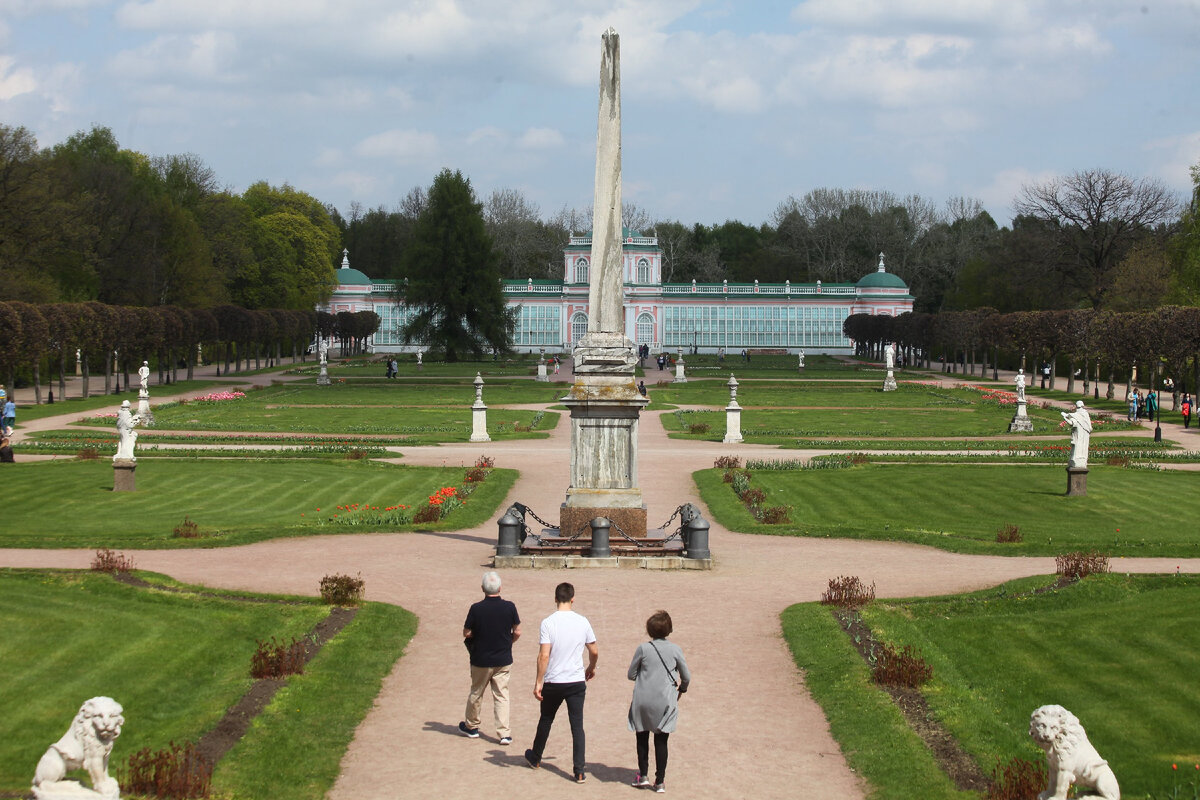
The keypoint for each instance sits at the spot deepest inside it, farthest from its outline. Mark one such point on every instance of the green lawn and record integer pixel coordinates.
(71, 503)
(1121, 652)
(1131, 512)
(176, 661)
(106, 402)
(441, 392)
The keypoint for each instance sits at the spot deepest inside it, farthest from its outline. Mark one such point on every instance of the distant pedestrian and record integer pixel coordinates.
(660, 677)
(491, 628)
(1133, 407)
(8, 417)
(6, 453)
(561, 676)
(1152, 406)
(557, 364)
(662, 360)
(1186, 409)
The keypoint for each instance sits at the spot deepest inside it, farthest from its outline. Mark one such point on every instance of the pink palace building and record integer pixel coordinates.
(703, 317)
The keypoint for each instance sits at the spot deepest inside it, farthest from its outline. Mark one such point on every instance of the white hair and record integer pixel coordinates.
(491, 582)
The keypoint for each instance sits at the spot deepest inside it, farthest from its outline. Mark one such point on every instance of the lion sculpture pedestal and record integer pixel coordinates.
(1070, 757)
(87, 744)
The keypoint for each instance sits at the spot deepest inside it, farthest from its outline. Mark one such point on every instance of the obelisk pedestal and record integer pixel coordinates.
(479, 414)
(733, 415)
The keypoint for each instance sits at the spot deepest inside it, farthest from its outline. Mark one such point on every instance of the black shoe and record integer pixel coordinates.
(472, 733)
(534, 761)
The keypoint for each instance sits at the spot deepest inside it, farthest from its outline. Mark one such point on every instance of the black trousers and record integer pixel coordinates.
(660, 754)
(553, 696)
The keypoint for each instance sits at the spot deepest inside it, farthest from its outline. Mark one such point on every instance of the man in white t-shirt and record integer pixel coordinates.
(561, 676)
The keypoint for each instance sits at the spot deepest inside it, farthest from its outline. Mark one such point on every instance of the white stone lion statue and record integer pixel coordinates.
(87, 744)
(1070, 757)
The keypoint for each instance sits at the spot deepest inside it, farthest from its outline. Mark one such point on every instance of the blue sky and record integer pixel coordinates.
(729, 107)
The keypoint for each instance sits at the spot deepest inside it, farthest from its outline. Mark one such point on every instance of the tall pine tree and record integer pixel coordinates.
(453, 275)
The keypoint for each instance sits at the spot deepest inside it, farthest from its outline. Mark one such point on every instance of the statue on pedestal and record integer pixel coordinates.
(144, 375)
(1081, 434)
(126, 422)
(86, 745)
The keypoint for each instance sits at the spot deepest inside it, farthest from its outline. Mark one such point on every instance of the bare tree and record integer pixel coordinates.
(1096, 216)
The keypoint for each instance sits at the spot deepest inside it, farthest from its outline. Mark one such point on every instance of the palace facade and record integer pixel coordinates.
(704, 317)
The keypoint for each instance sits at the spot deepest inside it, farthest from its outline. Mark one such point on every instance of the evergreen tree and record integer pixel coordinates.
(454, 275)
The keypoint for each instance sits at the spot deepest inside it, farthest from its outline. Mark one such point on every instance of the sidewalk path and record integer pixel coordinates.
(747, 728)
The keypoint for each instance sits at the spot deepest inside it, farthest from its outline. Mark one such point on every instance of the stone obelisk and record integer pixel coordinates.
(604, 400)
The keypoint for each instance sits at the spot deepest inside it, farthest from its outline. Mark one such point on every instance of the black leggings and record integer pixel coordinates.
(660, 754)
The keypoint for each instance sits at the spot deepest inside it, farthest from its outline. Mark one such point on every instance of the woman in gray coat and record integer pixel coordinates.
(660, 676)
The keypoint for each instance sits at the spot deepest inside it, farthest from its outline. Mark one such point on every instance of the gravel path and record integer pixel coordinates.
(747, 728)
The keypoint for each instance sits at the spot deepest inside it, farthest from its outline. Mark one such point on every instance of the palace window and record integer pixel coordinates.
(644, 273)
(581, 270)
(644, 329)
(578, 325)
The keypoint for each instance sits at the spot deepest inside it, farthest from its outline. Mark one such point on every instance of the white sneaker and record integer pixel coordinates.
(640, 780)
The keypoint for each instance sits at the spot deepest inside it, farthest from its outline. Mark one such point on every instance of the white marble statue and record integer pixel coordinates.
(1081, 435)
(802, 358)
(1070, 757)
(889, 356)
(1020, 381)
(323, 350)
(87, 744)
(126, 422)
(419, 357)
(144, 375)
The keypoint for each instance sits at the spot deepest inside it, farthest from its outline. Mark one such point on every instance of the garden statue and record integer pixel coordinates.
(1081, 434)
(126, 421)
(802, 358)
(889, 356)
(87, 745)
(323, 350)
(1020, 381)
(144, 375)
(1070, 757)
(419, 354)
(1020, 420)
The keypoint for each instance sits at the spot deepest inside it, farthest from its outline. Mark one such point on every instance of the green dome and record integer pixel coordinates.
(881, 280)
(355, 277)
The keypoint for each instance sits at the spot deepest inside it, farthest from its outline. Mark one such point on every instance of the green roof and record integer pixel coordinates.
(881, 280)
(347, 275)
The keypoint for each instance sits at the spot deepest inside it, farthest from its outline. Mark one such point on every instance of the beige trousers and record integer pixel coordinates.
(497, 678)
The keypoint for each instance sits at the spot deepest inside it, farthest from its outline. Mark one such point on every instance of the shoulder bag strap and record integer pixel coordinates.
(674, 682)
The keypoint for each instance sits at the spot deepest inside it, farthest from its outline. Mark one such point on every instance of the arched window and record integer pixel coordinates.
(644, 273)
(579, 323)
(581, 270)
(644, 330)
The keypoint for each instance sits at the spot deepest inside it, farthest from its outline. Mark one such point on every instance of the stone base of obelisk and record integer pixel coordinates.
(680, 376)
(479, 424)
(124, 479)
(573, 519)
(541, 374)
(1020, 423)
(1076, 481)
(889, 383)
(323, 378)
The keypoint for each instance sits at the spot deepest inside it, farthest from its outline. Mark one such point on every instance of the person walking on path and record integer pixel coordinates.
(8, 417)
(561, 676)
(491, 628)
(1152, 406)
(1133, 407)
(1185, 408)
(660, 677)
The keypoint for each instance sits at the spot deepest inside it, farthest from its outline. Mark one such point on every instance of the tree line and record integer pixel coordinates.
(1092, 346)
(45, 338)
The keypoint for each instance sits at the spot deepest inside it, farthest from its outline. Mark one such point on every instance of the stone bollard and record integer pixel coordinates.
(695, 537)
(600, 531)
(479, 414)
(508, 541)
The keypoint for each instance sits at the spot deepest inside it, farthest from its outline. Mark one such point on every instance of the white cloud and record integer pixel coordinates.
(400, 146)
(1176, 156)
(14, 82)
(1005, 186)
(540, 139)
(359, 184)
(488, 134)
(207, 55)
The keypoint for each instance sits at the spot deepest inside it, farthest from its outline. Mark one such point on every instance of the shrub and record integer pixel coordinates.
(1080, 564)
(728, 462)
(1019, 779)
(698, 427)
(1117, 461)
(777, 515)
(1009, 534)
(276, 660)
(741, 482)
(110, 561)
(485, 462)
(754, 497)
(858, 459)
(903, 667)
(187, 529)
(476, 475)
(176, 772)
(87, 454)
(847, 591)
(428, 514)
(357, 454)
(342, 590)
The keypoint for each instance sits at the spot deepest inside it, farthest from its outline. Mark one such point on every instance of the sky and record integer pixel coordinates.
(728, 107)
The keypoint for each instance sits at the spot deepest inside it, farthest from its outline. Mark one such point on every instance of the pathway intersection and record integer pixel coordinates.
(748, 727)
